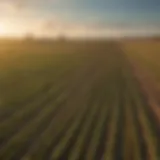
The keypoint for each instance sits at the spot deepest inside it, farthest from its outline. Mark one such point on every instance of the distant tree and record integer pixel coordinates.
(157, 37)
(29, 37)
(61, 37)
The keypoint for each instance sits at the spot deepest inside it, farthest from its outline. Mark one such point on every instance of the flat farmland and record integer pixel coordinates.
(79, 100)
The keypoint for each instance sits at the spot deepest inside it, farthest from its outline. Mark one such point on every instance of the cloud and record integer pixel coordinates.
(24, 17)
(97, 29)
(15, 5)
(10, 6)
(71, 29)
(21, 4)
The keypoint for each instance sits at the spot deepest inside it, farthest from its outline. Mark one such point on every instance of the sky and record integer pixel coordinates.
(79, 18)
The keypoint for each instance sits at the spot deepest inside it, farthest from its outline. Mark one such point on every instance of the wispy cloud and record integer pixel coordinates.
(97, 29)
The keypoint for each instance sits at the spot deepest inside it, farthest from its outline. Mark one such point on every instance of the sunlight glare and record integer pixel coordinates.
(2, 29)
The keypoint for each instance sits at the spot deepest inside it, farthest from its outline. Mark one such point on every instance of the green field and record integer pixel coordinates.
(79, 100)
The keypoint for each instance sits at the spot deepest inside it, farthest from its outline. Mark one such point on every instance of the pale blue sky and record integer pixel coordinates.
(82, 17)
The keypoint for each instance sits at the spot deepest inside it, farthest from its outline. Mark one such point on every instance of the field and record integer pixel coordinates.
(79, 100)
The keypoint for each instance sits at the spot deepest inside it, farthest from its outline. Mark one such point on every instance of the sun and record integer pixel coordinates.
(3, 29)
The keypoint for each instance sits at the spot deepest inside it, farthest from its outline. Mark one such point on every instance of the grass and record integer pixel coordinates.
(77, 100)
(146, 54)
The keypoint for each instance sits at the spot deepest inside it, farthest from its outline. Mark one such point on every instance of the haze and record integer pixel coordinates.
(79, 18)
